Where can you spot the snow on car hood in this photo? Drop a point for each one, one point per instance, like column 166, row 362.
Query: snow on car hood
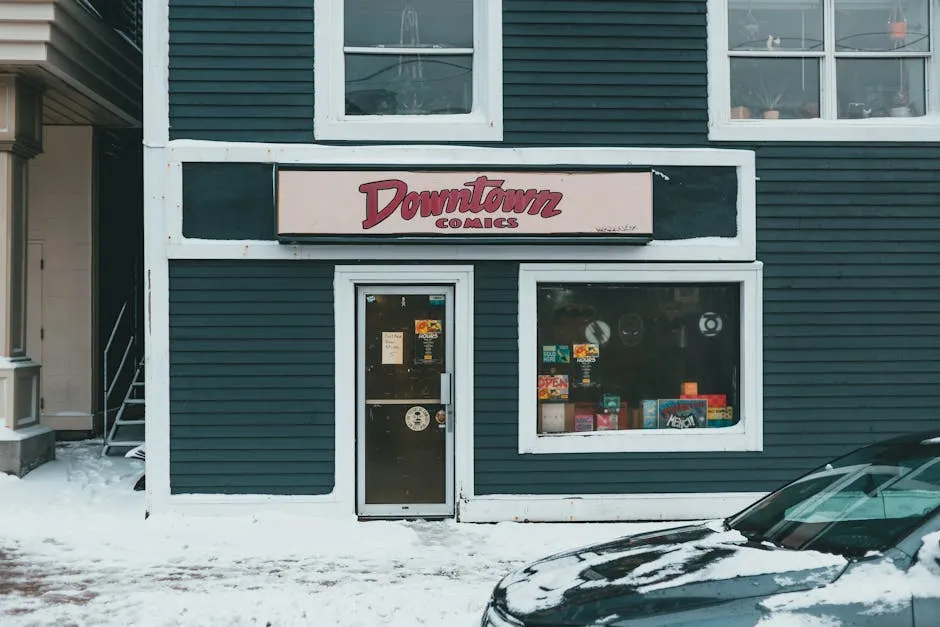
column 878, row 586
column 684, row 567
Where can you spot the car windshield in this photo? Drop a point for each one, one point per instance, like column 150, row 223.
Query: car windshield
column 865, row 501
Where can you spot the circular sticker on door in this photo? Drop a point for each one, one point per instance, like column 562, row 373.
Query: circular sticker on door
column 710, row 324
column 417, row 418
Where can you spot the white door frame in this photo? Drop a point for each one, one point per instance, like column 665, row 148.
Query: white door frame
column 346, row 280
column 445, row 509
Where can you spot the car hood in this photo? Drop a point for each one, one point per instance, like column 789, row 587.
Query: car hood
column 660, row 572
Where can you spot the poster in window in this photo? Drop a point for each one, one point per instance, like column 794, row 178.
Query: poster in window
column 586, row 356
column 393, row 348
column 676, row 413
column 428, row 346
column 556, row 354
column 553, row 387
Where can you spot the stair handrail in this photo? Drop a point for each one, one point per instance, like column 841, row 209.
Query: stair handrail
column 109, row 379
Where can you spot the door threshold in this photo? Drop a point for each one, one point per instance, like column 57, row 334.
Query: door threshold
column 411, row 518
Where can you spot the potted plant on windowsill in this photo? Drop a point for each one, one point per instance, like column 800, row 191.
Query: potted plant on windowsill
column 900, row 105
column 739, row 107
column 770, row 101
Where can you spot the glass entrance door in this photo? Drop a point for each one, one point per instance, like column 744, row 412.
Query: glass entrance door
column 405, row 423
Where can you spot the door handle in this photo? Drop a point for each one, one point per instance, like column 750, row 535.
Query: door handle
column 446, row 389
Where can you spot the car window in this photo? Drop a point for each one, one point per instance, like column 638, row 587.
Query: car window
column 852, row 506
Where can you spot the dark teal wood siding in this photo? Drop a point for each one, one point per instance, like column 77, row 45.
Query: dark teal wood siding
column 251, row 377
column 852, row 333
column 850, row 239
column 241, row 70
column 602, row 72
column 575, row 72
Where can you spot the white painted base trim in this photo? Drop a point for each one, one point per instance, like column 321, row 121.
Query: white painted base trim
column 603, row 507
column 491, row 508
column 327, row 506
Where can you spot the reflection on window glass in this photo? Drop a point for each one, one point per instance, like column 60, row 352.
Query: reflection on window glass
column 775, row 25
column 614, row 357
column 875, row 88
column 863, row 502
column 409, row 23
column 408, row 84
column 882, row 25
column 774, row 88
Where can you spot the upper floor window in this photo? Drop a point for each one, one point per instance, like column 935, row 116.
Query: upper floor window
column 805, row 70
column 408, row 70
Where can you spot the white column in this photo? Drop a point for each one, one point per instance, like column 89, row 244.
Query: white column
column 20, row 140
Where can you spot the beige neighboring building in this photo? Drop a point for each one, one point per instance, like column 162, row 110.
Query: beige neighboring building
column 70, row 79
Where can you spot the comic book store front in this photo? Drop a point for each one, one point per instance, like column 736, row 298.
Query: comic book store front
column 475, row 368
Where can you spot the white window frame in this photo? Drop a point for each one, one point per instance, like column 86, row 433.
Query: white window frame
column 722, row 128
column 746, row 435
column 484, row 123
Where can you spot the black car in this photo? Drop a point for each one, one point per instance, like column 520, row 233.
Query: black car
column 854, row 542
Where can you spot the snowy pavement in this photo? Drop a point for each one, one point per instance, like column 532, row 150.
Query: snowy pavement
column 76, row 550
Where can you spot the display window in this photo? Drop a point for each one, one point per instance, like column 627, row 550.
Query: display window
column 618, row 356
column 612, row 361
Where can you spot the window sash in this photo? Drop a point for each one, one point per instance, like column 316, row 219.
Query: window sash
column 828, row 80
column 483, row 123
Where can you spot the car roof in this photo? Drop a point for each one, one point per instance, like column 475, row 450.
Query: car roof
column 919, row 437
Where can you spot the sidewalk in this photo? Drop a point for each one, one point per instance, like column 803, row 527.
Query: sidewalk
column 75, row 550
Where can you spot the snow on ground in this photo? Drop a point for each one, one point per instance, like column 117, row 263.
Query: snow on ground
column 76, row 550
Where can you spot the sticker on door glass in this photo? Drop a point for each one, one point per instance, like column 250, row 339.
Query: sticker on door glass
column 436, row 299
column 428, row 349
column 393, row 348
column 417, row 418
column 428, row 326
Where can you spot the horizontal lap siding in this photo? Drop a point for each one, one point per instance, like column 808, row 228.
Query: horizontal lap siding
column 575, row 72
column 850, row 240
column 241, row 71
column 602, row 72
column 251, row 377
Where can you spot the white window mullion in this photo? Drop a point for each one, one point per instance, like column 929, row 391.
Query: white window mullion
column 828, row 98
column 931, row 67
column 430, row 52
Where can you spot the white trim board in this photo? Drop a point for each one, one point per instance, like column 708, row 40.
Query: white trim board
column 346, row 278
column 483, row 123
column 156, row 60
column 678, row 507
column 747, row 435
column 743, row 247
column 604, row 507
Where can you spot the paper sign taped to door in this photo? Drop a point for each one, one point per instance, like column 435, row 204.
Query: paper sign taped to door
column 393, row 348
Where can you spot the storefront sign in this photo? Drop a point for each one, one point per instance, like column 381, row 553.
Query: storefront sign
column 496, row 204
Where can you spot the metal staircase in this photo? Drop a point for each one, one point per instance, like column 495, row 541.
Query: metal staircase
column 126, row 429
